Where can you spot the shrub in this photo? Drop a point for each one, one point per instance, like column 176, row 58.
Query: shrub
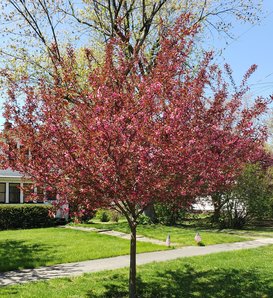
column 144, row 220
column 169, row 214
column 250, row 199
column 103, row 215
column 115, row 216
column 25, row 216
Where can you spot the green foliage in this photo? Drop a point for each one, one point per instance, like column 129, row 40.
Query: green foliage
column 26, row 46
column 115, row 216
column 25, row 216
column 144, row 220
column 168, row 214
column 103, row 215
column 251, row 198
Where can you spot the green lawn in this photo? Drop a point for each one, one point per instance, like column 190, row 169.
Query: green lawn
column 252, row 232
column 238, row 274
column 39, row 247
column 183, row 236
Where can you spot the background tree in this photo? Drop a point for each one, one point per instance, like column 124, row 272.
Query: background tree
column 171, row 213
column 29, row 28
column 128, row 138
column 250, row 199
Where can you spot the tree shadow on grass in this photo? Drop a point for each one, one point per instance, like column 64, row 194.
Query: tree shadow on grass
column 187, row 282
column 16, row 254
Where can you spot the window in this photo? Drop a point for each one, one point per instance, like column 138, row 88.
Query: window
column 14, row 193
column 2, row 192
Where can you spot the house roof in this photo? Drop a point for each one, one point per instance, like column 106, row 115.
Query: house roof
column 8, row 173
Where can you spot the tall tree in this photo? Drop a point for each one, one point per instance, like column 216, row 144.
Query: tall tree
column 29, row 28
column 250, row 199
column 130, row 138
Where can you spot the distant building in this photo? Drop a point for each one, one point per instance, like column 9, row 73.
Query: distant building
column 203, row 204
column 11, row 187
column 16, row 189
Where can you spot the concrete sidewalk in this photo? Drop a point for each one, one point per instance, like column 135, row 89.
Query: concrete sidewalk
column 73, row 269
column 119, row 235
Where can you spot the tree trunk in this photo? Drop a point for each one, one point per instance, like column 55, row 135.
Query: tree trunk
column 216, row 200
column 132, row 276
column 216, row 214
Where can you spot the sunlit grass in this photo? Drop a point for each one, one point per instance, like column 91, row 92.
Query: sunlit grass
column 39, row 247
column 237, row 274
column 181, row 235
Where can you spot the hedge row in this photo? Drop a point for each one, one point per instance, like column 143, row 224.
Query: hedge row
column 25, row 216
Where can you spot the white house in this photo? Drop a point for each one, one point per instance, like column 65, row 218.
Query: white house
column 15, row 188
column 11, row 187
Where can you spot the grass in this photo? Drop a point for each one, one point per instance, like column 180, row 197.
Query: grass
column 41, row 247
column 252, row 232
column 237, row 274
column 181, row 235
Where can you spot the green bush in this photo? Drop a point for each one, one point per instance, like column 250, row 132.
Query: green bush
column 25, row 216
column 249, row 200
column 103, row 215
column 144, row 220
column 169, row 214
column 115, row 216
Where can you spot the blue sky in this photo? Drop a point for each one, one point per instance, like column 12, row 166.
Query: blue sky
column 253, row 45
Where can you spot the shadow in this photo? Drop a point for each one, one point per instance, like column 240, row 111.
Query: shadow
column 17, row 254
column 39, row 274
column 186, row 283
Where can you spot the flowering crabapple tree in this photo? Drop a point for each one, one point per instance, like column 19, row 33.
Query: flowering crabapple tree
column 133, row 135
